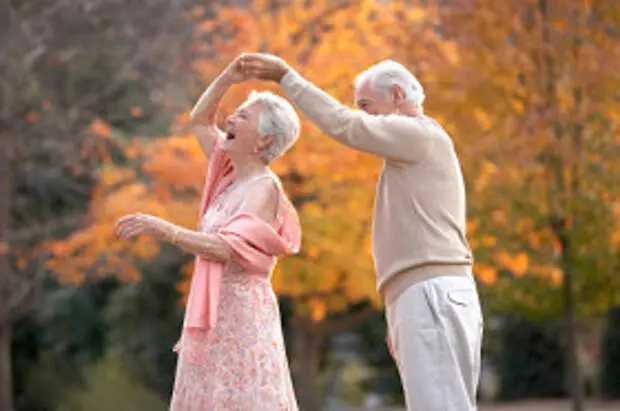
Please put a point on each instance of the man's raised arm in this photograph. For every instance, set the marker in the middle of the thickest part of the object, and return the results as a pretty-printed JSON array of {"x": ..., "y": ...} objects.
[{"x": 394, "y": 137}]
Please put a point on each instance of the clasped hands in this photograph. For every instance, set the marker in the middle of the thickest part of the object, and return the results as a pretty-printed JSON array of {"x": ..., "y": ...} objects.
[{"x": 256, "y": 65}]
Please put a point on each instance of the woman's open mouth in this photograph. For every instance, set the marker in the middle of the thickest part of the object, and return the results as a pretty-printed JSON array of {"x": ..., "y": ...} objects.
[{"x": 230, "y": 135}]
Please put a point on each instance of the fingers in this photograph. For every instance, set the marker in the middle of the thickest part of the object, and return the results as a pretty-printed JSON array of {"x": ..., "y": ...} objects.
[
  {"x": 127, "y": 218},
  {"x": 252, "y": 57},
  {"x": 131, "y": 225},
  {"x": 262, "y": 66},
  {"x": 249, "y": 73},
  {"x": 256, "y": 69},
  {"x": 253, "y": 65},
  {"x": 258, "y": 60},
  {"x": 129, "y": 229},
  {"x": 132, "y": 231}
]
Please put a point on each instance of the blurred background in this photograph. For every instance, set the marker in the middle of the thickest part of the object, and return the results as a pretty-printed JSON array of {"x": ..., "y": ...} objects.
[{"x": 93, "y": 94}]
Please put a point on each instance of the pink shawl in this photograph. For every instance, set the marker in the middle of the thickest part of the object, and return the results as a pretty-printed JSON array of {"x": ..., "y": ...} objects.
[{"x": 254, "y": 242}]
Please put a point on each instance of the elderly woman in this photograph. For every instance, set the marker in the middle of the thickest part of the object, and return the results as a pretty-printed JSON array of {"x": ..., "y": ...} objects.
[{"x": 231, "y": 350}]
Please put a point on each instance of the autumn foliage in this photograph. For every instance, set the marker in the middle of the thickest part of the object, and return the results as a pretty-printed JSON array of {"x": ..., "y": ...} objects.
[{"x": 525, "y": 88}]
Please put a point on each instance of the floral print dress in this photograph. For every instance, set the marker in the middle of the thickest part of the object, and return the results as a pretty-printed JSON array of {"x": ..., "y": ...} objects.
[{"x": 240, "y": 364}]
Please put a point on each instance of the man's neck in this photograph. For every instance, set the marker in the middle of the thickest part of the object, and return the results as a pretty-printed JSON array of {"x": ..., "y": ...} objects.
[{"x": 411, "y": 111}]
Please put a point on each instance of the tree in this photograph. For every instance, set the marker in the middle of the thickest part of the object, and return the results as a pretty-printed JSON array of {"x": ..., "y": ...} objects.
[
  {"x": 331, "y": 186},
  {"x": 55, "y": 85},
  {"x": 610, "y": 373},
  {"x": 547, "y": 135},
  {"x": 524, "y": 97}
]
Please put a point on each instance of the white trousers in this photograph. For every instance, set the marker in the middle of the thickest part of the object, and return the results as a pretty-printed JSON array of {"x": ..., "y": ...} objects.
[{"x": 435, "y": 328}]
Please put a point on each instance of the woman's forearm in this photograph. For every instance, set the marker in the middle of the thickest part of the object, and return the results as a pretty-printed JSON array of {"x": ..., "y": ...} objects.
[
  {"x": 205, "y": 245},
  {"x": 206, "y": 107}
]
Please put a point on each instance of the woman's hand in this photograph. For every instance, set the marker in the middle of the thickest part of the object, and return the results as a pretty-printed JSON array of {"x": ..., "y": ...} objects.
[
  {"x": 234, "y": 73},
  {"x": 133, "y": 225}
]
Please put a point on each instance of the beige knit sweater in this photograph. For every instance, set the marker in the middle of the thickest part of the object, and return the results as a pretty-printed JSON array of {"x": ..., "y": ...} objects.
[{"x": 419, "y": 221}]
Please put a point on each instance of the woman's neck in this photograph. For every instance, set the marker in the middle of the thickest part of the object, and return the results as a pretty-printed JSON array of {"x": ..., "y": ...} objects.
[{"x": 247, "y": 166}]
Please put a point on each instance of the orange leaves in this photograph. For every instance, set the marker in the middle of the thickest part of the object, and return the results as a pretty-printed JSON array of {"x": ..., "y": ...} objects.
[
  {"x": 487, "y": 171},
  {"x": 517, "y": 264},
  {"x": 488, "y": 240},
  {"x": 318, "y": 309},
  {"x": 489, "y": 92},
  {"x": 472, "y": 226},
  {"x": 112, "y": 176},
  {"x": 101, "y": 128},
  {"x": 484, "y": 119},
  {"x": 207, "y": 26},
  {"x": 615, "y": 239},
  {"x": 4, "y": 247},
  {"x": 415, "y": 14},
  {"x": 137, "y": 111},
  {"x": 487, "y": 275},
  {"x": 549, "y": 272},
  {"x": 499, "y": 217},
  {"x": 32, "y": 117},
  {"x": 451, "y": 52},
  {"x": 198, "y": 12}
]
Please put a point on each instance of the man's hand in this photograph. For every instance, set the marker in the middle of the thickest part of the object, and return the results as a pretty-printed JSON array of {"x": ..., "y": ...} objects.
[
  {"x": 388, "y": 341},
  {"x": 264, "y": 66}
]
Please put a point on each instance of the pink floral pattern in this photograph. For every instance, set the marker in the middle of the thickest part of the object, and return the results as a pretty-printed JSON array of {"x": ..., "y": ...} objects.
[{"x": 239, "y": 365}]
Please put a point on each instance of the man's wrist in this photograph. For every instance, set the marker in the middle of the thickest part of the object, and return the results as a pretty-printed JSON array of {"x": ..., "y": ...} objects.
[{"x": 282, "y": 73}]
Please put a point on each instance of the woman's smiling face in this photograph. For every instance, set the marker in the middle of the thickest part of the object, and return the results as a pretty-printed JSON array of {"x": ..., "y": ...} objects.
[{"x": 242, "y": 129}]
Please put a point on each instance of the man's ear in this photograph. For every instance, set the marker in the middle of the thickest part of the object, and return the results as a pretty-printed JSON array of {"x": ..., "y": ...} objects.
[
  {"x": 398, "y": 94},
  {"x": 264, "y": 142}
]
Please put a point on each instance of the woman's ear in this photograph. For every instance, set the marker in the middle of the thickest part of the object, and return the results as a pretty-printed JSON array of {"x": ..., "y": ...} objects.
[{"x": 264, "y": 142}]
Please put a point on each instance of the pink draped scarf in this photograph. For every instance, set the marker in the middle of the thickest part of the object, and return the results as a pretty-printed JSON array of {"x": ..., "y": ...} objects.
[{"x": 254, "y": 242}]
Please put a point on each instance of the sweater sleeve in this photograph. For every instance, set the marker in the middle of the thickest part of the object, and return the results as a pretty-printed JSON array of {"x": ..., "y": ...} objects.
[{"x": 394, "y": 137}]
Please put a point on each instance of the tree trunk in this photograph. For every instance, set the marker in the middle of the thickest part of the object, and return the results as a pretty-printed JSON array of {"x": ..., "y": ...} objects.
[
  {"x": 6, "y": 377},
  {"x": 307, "y": 342},
  {"x": 572, "y": 360},
  {"x": 559, "y": 223},
  {"x": 6, "y": 386},
  {"x": 573, "y": 371}
]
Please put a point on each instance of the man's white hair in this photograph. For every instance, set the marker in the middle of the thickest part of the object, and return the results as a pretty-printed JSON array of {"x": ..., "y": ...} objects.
[
  {"x": 277, "y": 118},
  {"x": 385, "y": 74}
]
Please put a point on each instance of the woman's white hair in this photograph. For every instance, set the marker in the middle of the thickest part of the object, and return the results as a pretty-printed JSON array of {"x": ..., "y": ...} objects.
[
  {"x": 385, "y": 74},
  {"x": 277, "y": 118}
]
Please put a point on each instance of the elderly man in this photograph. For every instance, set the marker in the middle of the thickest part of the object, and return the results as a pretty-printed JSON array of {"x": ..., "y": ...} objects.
[{"x": 421, "y": 254}]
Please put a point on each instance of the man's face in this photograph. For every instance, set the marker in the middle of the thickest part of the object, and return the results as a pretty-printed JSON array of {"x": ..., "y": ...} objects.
[{"x": 374, "y": 102}]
